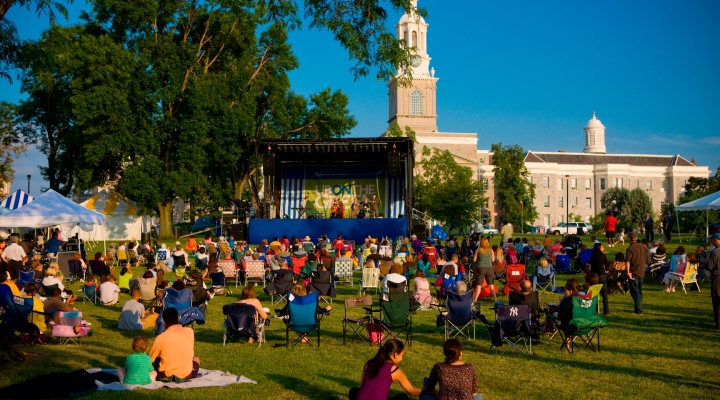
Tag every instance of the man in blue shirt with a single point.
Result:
(53, 245)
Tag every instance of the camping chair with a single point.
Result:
(357, 324)
(656, 271)
(370, 279)
(545, 283)
(688, 276)
(255, 269)
(344, 271)
(585, 324)
(384, 268)
(70, 328)
(460, 316)
(562, 263)
(26, 277)
(297, 262)
(513, 326)
(308, 247)
(593, 292)
(242, 320)
(283, 282)
(229, 268)
(181, 300)
(321, 282)
(395, 315)
(500, 270)
(533, 257)
(122, 257)
(447, 285)
(584, 257)
(179, 262)
(110, 258)
(76, 271)
(48, 290)
(303, 317)
(515, 274)
(147, 290)
(90, 293)
(219, 282)
(17, 313)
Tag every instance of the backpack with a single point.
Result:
(376, 333)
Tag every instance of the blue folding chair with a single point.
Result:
(562, 263)
(241, 320)
(460, 316)
(90, 293)
(303, 317)
(26, 277)
(17, 313)
(181, 300)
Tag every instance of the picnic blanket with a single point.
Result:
(205, 378)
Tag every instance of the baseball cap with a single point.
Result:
(715, 236)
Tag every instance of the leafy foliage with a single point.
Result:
(695, 189)
(515, 194)
(630, 206)
(446, 191)
(11, 145)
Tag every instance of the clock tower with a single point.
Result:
(414, 105)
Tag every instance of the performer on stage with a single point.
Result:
(374, 206)
(339, 209)
(302, 212)
(365, 208)
(355, 208)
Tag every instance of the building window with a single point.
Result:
(560, 183)
(546, 182)
(482, 160)
(635, 184)
(546, 201)
(588, 202)
(588, 184)
(485, 183)
(602, 183)
(662, 186)
(546, 220)
(573, 184)
(648, 185)
(416, 103)
(574, 201)
(682, 187)
(560, 202)
(617, 182)
(530, 179)
(414, 39)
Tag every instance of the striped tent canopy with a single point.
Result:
(110, 203)
(16, 200)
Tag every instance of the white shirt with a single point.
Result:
(394, 278)
(107, 292)
(51, 280)
(14, 252)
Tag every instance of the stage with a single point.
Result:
(350, 228)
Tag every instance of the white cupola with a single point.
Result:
(412, 31)
(595, 136)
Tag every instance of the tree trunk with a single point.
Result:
(166, 231)
(240, 187)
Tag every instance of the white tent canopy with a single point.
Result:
(121, 220)
(51, 209)
(707, 203)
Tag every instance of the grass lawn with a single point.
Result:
(669, 352)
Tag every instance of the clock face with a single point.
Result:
(416, 61)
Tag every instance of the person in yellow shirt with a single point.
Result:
(37, 317)
(4, 280)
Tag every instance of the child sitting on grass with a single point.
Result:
(138, 366)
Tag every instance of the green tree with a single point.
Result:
(10, 44)
(696, 188)
(637, 205)
(446, 191)
(11, 145)
(515, 194)
(613, 201)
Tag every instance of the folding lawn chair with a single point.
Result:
(545, 283)
(90, 293)
(513, 326)
(17, 313)
(181, 300)
(321, 282)
(396, 315)
(283, 282)
(688, 276)
(242, 320)
(562, 263)
(460, 316)
(229, 268)
(515, 274)
(26, 277)
(370, 279)
(255, 269)
(219, 282)
(122, 257)
(344, 271)
(357, 324)
(585, 324)
(71, 328)
(303, 318)
(584, 257)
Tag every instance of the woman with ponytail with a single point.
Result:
(457, 379)
(381, 371)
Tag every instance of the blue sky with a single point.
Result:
(531, 73)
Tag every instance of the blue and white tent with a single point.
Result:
(16, 200)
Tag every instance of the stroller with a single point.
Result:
(572, 246)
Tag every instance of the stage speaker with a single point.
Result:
(419, 231)
(394, 167)
(237, 231)
(144, 237)
(268, 164)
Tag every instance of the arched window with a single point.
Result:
(416, 103)
(414, 39)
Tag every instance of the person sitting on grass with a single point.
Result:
(138, 368)
(109, 291)
(248, 297)
(124, 280)
(201, 261)
(173, 352)
(457, 380)
(381, 371)
(422, 290)
(134, 316)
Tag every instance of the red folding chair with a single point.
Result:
(514, 273)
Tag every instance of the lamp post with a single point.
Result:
(567, 204)
(522, 219)
(29, 177)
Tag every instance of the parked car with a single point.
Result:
(486, 230)
(570, 228)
